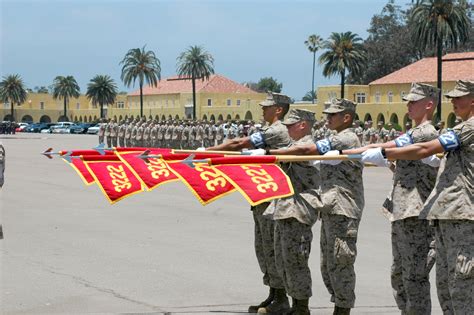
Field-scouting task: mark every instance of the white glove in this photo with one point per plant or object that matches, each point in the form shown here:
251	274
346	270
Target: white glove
374	156
201	149
432	161
254	152
331	162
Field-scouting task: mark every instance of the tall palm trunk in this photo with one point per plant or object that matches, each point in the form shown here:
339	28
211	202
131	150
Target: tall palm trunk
439	54
65	108
101	110
194	97
11	112
141	100
343	77
312	85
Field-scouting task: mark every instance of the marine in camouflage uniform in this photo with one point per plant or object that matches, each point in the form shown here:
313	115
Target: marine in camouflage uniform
342	195
273	136
101	132
412	238
114	132
451	206
108	127
295	215
220	133
128	134
147	135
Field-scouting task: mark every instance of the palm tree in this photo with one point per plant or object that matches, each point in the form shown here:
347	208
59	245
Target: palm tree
438	23
142	65
344	52
195	63
102	90
309	96
12	90
314	43
65	88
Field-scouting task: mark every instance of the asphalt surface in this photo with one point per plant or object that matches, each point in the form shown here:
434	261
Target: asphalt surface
67	251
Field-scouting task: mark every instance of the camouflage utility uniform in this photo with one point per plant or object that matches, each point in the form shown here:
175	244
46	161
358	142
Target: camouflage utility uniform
411	237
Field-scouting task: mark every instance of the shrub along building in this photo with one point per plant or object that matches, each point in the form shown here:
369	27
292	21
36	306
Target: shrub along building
220	98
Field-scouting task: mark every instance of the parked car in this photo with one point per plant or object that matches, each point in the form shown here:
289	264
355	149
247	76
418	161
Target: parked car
21	126
37	127
61	127
80	128
93	130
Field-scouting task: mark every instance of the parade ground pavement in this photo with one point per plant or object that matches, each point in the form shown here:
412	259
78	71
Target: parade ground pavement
66	250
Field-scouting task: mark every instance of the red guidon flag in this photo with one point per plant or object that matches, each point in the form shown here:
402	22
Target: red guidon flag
258	182
204	181
113	176
81	169
153	174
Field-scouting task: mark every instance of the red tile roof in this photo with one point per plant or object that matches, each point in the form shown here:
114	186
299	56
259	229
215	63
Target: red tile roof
456	66
216	84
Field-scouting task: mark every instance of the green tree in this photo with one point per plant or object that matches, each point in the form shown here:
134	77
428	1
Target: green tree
269	84
41	89
314	43
12	89
102	90
388	46
195	63
310	96
65	88
344	54
142	65
439	23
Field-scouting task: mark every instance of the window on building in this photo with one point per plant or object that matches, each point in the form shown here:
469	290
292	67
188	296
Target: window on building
78	105
229	102
209	102
41	105
238	102
377	97
166	103
120	104
360	97
390	97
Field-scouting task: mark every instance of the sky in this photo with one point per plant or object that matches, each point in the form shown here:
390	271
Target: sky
41	39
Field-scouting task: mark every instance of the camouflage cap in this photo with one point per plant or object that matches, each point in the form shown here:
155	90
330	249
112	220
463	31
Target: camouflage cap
276	99
462	88
419	91
296	115
340	105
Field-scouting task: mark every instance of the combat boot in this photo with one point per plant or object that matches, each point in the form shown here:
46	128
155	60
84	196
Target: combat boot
301	308
271	295
341	310
279	305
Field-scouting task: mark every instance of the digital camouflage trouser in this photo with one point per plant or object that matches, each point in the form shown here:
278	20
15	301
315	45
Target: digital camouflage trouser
411	239
264	247
292	249
455	266
338	254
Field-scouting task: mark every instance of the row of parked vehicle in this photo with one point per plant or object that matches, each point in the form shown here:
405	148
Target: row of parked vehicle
60	127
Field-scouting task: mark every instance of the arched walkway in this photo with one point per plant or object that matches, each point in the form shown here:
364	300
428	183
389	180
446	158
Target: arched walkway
394	118
204	117
380	117
229	117
213	118
163	118
176	117
90	118
237	117
220	118
45	119
367	117
8	118
248	115
63	118
157	118
27	118
356	117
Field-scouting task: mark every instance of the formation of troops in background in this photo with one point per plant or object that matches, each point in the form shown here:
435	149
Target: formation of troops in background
194	134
